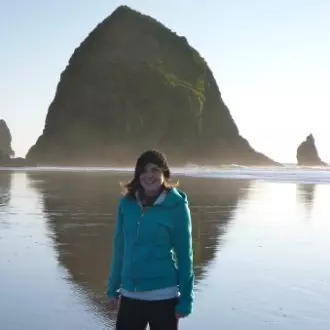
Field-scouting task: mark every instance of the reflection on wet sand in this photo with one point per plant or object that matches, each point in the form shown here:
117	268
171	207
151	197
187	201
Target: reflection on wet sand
81	208
212	203
306	194
5	184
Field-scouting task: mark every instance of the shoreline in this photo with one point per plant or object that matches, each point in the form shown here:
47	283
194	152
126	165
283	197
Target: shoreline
286	174
283	167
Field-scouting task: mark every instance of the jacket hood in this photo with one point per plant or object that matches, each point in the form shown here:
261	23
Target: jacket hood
174	197
169	199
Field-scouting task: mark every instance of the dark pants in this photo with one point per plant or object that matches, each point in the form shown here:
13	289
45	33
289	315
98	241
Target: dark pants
135	314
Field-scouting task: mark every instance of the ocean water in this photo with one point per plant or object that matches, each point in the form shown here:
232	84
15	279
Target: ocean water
261	245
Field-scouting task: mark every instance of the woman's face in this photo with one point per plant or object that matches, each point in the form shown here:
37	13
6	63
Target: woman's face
151	179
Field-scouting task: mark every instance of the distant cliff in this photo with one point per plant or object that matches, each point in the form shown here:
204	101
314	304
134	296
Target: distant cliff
307	154
6	150
133	84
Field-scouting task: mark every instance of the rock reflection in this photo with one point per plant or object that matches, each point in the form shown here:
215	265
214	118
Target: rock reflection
81	208
212	204
5	185
306	195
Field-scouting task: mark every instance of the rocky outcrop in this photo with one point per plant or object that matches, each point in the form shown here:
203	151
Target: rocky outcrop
307	154
6	150
17	162
133	84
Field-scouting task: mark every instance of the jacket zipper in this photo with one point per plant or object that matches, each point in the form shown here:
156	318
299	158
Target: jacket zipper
136	239
143	212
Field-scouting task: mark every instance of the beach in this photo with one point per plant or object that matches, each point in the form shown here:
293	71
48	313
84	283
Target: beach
260	237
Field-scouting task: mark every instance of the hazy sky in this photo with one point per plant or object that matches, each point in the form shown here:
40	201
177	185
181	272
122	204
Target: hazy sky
271	60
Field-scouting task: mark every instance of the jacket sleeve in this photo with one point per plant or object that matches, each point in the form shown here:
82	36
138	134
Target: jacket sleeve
184	257
114	280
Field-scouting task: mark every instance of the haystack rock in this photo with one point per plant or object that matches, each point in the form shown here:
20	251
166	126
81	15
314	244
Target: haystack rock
133	84
307	154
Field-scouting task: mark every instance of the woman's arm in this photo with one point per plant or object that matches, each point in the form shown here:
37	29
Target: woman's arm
114	280
184	255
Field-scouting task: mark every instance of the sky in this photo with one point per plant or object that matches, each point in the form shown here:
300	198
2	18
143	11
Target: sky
270	59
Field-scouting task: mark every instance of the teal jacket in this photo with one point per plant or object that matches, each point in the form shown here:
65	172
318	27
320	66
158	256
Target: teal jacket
154	250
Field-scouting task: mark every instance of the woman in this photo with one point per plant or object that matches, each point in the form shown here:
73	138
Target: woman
152	261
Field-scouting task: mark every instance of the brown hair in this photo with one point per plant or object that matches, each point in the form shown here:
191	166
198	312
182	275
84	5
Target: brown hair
151	156
130	188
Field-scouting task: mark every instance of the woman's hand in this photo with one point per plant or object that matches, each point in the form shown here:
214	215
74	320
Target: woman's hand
113	303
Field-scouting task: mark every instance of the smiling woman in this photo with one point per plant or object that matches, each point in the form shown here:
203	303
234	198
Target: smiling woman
152	261
151	175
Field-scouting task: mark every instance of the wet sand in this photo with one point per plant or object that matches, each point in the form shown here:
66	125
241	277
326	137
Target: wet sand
260	252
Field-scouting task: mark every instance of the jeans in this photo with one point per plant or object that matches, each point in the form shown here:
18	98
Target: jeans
136	314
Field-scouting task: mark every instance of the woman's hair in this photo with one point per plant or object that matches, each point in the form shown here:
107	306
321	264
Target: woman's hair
152	156
130	188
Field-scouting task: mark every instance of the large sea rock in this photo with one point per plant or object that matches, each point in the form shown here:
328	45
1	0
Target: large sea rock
6	150
133	84
307	153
